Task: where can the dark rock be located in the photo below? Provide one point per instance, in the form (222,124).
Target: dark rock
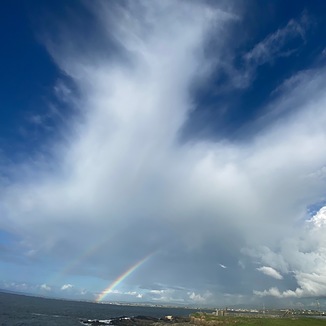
(136,321)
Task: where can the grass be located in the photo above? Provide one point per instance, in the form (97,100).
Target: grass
(271,321)
(210,320)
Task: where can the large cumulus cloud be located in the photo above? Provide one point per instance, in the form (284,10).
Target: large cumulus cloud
(124,184)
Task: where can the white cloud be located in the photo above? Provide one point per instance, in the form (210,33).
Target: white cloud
(165,295)
(284,42)
(18,286)
(269,271)
(66,287)
(45,287)
(134,294)
(305,257)
(275,44)
(275,292)
(319,219)
(200,298)
(124,175)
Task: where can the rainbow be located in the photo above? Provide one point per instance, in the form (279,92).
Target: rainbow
(82,257)
(73,264)
(120,278)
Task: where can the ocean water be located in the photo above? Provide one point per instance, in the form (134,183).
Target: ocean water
(25,310)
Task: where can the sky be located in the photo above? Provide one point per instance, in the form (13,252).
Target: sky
(164,151)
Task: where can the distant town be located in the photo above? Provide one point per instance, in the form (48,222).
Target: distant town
(268,312)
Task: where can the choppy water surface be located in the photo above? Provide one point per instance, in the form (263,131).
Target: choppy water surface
(24,310)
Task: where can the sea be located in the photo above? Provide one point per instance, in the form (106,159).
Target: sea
(28,310)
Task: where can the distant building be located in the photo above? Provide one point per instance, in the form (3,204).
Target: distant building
(219,312)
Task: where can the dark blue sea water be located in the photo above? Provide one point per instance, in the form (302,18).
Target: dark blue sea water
(25,310)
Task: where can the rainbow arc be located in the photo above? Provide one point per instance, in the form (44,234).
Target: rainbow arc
(120,278)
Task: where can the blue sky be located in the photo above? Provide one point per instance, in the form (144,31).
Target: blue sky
(188,132)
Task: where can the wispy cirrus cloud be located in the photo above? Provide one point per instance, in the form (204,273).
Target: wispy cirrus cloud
(276,44)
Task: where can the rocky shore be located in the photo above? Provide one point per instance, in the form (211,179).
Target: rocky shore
(139,321)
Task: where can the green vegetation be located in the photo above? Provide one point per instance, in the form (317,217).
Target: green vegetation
(211,320)
(271,321)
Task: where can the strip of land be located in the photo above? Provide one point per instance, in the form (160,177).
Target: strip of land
(205,319)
